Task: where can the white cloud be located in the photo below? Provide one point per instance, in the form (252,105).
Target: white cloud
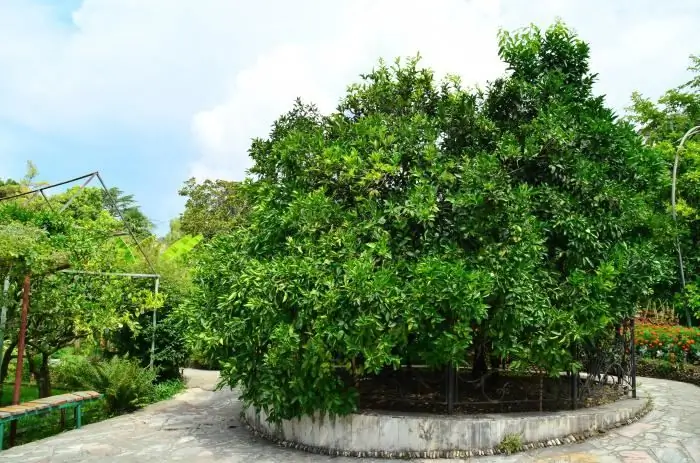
(223,70)
(318,71)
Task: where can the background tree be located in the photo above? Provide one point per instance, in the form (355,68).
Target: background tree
(9,187)
(662,124)
(212,207)
(174,233)
(39,240)
(171,261)
(127,205)
(425,222)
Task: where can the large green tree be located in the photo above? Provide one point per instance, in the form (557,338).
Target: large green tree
(423,221)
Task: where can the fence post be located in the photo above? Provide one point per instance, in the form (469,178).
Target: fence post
(633,353)
(450,388)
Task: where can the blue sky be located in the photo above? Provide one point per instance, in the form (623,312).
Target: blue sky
(151,92)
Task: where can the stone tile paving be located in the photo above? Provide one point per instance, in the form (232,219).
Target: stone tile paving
(201,425)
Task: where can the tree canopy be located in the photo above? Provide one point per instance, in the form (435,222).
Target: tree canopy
(41,237)
(426,222)
(662,124)
(212,207)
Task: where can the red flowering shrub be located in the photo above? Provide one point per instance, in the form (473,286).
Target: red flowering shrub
(672,343)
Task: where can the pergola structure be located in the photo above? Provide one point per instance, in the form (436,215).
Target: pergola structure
(87,179)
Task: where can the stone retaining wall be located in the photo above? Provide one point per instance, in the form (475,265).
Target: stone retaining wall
(388,434)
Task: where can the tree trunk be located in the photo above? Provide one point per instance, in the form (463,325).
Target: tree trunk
(43,379)
(480,367)
(31,366)
(6,358)
(5,365)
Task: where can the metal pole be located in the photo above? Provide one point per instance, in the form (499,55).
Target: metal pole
(634,361)
(68,203)
(20,353)
(126,224)
(114,274)
(687,135)
(153,337)
(47,200)
(19,195)
(450,388)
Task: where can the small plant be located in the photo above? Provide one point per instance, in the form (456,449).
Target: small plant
(167,389)
(124,383)
(511,443)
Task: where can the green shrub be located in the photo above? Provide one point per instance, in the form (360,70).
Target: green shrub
(511,443)
(171,352)
(201,361)
(167,389)
(124,383)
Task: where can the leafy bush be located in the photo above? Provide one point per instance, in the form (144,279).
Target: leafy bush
(511,443)
(124,383)
(425,222)
(663,369)
(171,353)
(167,389)
(672,343)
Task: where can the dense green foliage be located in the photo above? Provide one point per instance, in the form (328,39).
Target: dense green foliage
(40,238)
(125,384)
(37,240)
(430,223)
(663,124)
(212,207)
(171,351)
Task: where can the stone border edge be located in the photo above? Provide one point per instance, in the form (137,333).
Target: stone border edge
(439,454)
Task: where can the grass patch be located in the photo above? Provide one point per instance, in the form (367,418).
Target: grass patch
(27,393)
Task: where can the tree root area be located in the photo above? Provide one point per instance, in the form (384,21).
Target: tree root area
(502,392)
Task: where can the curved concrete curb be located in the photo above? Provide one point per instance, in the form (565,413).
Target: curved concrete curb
(407,435)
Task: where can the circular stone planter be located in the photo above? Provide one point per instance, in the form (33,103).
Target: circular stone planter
(408,435)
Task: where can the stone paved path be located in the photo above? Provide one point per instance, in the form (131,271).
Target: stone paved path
(201,425)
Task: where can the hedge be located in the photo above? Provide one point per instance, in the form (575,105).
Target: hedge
(663,369)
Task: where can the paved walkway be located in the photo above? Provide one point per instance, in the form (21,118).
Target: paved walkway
(201,425)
